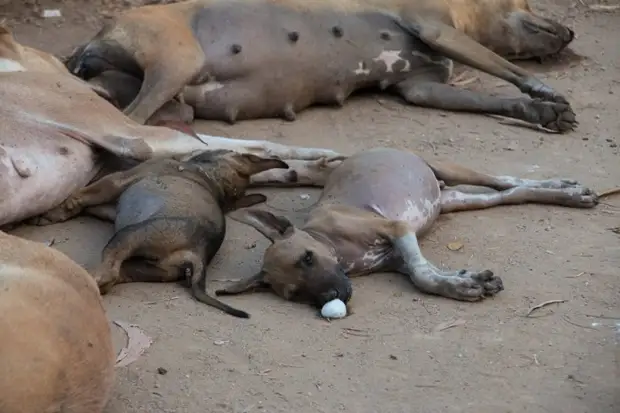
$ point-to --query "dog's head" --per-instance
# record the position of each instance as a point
(102, 53)
(528, 36)
(230, 171)
(296, 266)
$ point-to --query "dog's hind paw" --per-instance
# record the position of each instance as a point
(68, 209)
(557, 117)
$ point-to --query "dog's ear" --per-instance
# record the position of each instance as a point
(257, 281)
(249, 200)
(255, 164)
(271, 226)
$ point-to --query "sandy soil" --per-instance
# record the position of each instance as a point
(396, 352)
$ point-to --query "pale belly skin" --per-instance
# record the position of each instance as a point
(387, 183)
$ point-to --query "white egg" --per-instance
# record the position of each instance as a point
(334, 309)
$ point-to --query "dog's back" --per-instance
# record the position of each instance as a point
(56, 351)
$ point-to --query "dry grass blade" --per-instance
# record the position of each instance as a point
(542, 305)
(604, 7)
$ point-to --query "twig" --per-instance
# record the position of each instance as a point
(503, 120)
(603, 317)
(541, 305)
(565, 318)
(609, 192)
(604, 7)
(289, 365)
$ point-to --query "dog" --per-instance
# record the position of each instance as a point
(58, 134)
(373, 208)
(247, 59)
(169, 217)
(56, 350)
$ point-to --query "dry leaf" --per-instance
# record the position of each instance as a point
(137, 342)
(455, 246)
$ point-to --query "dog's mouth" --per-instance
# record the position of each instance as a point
(342, 289)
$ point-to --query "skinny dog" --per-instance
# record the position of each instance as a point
(373, 208)
(246, 59)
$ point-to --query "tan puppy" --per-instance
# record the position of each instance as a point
(56, 349)
(247, 59)
(55, 131)
(373, 209)
(169, 217)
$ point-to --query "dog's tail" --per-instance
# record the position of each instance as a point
(184, 263)
(195, 273)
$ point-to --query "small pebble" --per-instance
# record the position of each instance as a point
(161, 370)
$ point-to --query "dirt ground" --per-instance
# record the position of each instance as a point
(401, 351)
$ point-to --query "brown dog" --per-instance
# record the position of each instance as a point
(57, 134)
(56, 349)
(169, 217)
(246, 59)
(368, 219)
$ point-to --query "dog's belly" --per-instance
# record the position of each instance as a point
(39, 167)
(396, 184)
(268, 60)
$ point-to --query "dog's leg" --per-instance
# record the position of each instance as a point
(456, 45)
(267, 149)
(555, 116)
(453, 174)
(104, 212)
(103, 191)
(464, 285)
(508, 190)
(166, 75)
(453, 200)
(300, 173)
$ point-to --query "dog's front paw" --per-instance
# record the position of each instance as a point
(474, 286)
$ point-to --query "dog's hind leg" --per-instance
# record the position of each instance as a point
(464, 285)
(506, 190)
(456, 45)
(555, 116)
(453, 200)
(103, 191)
(453, 174)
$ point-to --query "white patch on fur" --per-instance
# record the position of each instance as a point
(8, 65)
(416, 215)
(211, 86)
(360, 69)
(390, 58)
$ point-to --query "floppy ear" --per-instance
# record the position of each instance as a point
(271, 226)
(256, 164)
(253, 282)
